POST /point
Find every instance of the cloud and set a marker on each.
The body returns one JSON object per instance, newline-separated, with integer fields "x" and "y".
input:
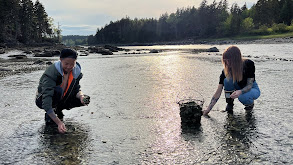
{"x": 79, "y": 29}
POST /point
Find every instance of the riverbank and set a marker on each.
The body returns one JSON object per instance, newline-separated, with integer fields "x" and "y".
{"x": 232, "y": 41}
{"x": 23, "y": 60}
{"x": 248, "y": 40}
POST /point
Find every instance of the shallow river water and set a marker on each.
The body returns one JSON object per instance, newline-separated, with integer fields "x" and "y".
{"x": 133, "y": 117}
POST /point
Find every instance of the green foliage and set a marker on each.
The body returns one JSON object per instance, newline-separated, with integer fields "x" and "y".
{"x": 247, "y": 24}
{"x": 289, "y": 28}
{"x": 279, "y": 28}
{"x": 262, "y": 30}
{"x": 224, "y": 27}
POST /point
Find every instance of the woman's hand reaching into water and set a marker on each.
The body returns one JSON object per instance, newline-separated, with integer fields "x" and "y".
{"x": 205, "y": 112}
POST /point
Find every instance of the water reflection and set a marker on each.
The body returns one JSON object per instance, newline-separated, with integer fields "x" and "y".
{"x": 238, "y": 140}
{"x": 189, "y": 132}
{"x": 65, "y": 148}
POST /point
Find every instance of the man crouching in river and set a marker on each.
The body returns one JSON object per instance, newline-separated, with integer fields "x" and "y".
{"x": 59, "y": 88}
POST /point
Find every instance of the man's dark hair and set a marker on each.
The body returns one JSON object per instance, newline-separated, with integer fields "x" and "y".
{"x": 68, "y": 53}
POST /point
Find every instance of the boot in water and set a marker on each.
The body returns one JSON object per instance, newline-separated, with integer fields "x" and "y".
{"x": 249, "y": 107}
{"x": 230, "y": 104}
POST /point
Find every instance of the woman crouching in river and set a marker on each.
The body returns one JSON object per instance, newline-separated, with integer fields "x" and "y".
{"x": 238, "y": 80}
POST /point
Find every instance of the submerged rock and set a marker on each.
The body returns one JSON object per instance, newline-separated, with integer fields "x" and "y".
{"x": 18, "y": 56}
{"x": 154, "y": 51}
{"x": 5, "y": 69}
{"x": 2, "y": 50}
{"x": 100, "y": 50}
{"x": 56, "y": 52}
{"x": 113, "y": 48}
{"x": 213, "y": 49}
{"x": 49, "y": 63}
{"x": 44, "y": 54}
{"x": 28, "y": 52}
{"x": 40, "y": 62}
{"x": 84, "y": 53}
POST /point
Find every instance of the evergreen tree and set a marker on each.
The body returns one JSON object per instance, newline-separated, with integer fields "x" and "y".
{"x": 265, "y": 11}
{"x": 91, "y": 40}
{"x": 27, "y": 20}
{"x": 41, "y": 22}
{"x": 203, "y": 18}
{"x": 236, "y": 19}
{"x": 9, "y": 20}
{"x": 162, "y": 27}
{"x": 286, "y": 12}
{"x": 275, "y": 11}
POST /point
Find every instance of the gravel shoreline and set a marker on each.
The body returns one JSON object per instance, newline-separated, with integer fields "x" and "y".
{"x": 232, "y": 42}
{"x": 258, "y": 41}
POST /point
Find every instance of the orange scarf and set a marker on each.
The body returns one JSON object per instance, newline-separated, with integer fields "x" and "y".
{"x": 69, "y": 81}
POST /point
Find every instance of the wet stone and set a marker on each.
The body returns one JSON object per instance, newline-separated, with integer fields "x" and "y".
{"x": 86, "y": 99}
{"x": 18, "y": 56}
{"x": 40, "y": 62}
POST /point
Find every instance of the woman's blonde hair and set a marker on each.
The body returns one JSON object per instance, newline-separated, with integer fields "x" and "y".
{"x": 234, "y": 69}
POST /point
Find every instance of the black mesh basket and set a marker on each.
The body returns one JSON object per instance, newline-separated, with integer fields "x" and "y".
{"x": 190, "y": 104}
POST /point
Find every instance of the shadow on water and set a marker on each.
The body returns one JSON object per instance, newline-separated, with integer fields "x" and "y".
{"x": 65, "y": 148}
{"x": 237, "y": 144}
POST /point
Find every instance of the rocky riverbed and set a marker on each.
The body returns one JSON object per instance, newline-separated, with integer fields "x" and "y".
{"x": 134, "y": 118}
{"x": 15, "y": 66}
{"x": 28, "y": 59}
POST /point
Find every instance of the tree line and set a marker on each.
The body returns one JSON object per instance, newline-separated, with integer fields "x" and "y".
{"x": 72, "y": 40}
{"x": 208, "y": 21}
{"x": 22, "y": 21}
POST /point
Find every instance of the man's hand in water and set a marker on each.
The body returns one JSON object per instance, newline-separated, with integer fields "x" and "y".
{"x": 61, "y": 127}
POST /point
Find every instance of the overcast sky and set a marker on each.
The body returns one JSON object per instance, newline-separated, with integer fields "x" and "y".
{"x": 83, "y": 17}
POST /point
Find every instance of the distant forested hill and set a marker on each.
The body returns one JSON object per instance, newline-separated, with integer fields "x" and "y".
{"x": 72, "y": 40}
{"x": 208, "y": 21}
